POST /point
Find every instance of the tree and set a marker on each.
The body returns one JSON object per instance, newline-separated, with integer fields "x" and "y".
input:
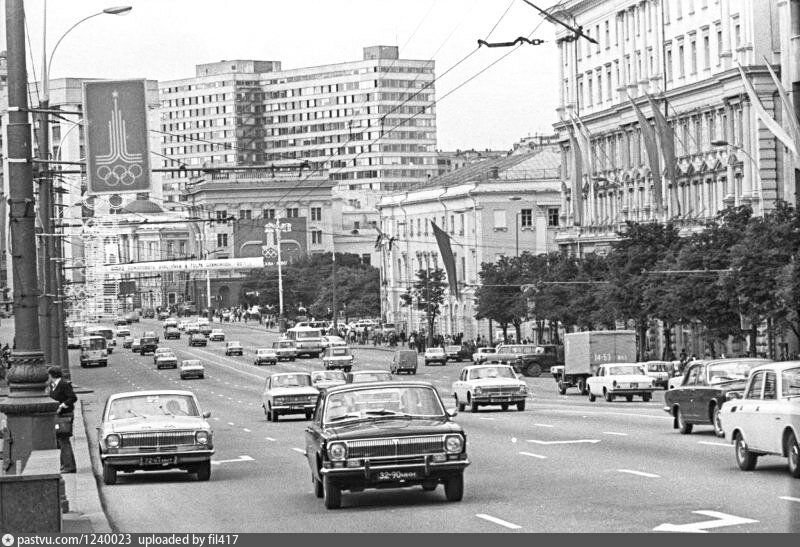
{"x": 427, "y": 294}
{"x": 499, "y": 297}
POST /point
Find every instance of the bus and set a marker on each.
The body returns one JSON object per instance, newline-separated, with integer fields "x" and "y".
{"x": 307, "y": 340}
{"x": 75, "y": 332}
{"x": 94, "y": 351}
{"x": 105, "y": 332}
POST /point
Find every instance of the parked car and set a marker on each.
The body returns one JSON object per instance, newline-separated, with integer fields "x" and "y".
{"x": 148, "y": 344}
{"x": 404, "y": 360}
{"x": 134, "y": 423}
{"x": 435, "y": 355}
{"x": 132, "y": 317}
{"x": 165, "y": 358}
{"x": 265, "y": 356}
{"x": 324, "y": 379}
{"x": 353, "y": 429}
{"x": 192, "y": 368}
{"x": 612, "y": 380}
{"x": 659, "y": 371}
{"x": 172, "y": 333}
{"x": 120, "y": 321}
{"x": 338, "y": 357}
{"x": 136, "y": 345}
{"x": 453, "y": 352}
{"x": 365, "y": 376}
{"x": 289, "y": 393}
{"x": 766, "y": 420}
{"x": 128, "y": 342}
{"x": 217, "y": 336}
{"x": 705, "y": 386}
{"x": 330, "y": 341}
{"x": 234, "y": 348}
{"x": 285, "y": 349}
{"x": 482, "y": 354}
{"x": 171, "y": 322}
{"x": 489, "y": 384}
{"x": 197, "y": 339}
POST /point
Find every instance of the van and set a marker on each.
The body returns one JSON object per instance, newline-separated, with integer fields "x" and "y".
{"x": 105, "y": 332}
{"x": 404, "y": 360}
{"x": 94, "y": 351}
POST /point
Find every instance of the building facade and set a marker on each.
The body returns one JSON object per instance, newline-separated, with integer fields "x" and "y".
{"x": 497, "y": 207}
{"x": 684, "y": 54}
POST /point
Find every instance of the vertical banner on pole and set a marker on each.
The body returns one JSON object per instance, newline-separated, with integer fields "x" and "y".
{"x": 117, "y": 144}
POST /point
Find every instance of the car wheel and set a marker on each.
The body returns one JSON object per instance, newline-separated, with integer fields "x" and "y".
{"x": 331, "y": 493}
{"x": 459, "y": 405}
{"x": 683, "y": 426}
{"x": 744, "y": 458}
{"x": 629, "y": 398}
{"x": 646, "y": 397}
{"x": 608, "y": 396}
{"x": 793, "y": 455}
{"x": 454, "y": 488}
{"x": 521, "y": 406}
{"x": 347, "y": 370}
{"x": 414, "y": 372}
{"x": 582, "y": 386}
{"x": 309, "y": 414}
{"x": 592, "y": 396}
{"x": 203, "y": 470}
{"x": 273, "y": 415}
{"x": 109, "y": 474}
{"x": 318, "y": 490}
{"x": 473, "y": 405}
{"x": 717, "y": 422}
{"x": 562, "y": 389}
{"x": 503, "y": 407}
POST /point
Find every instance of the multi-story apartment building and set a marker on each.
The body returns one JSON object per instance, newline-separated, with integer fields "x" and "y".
{"x": 684, "y": 53}
{"x": 369, "y": 124}
{"x": 497, "y": 207}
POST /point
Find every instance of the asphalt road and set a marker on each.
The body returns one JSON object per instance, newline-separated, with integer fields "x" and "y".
{"x": 562, "y": 465}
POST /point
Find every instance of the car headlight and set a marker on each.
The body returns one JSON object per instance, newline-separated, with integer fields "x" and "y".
{"x": 522, "y": 388}
{"x": 112, "y": 441}
{"x": 278, "y": 400}
{"x": 614, "y": 383}
{"x": 337, "y": 451}
{"x": 201, "y": 437}
{"x": 733, "y": 395}
{"x": 478, "y": 390}
{"x": 453, "y": 444}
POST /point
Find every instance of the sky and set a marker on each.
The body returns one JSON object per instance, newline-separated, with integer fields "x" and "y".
{"x": 165, "y": 39}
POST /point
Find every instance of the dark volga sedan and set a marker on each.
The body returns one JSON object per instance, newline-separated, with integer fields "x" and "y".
{"x": 384, "y": 435}
{"x": 705, "y": 387}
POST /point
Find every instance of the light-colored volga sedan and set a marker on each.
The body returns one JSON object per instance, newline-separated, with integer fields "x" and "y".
{"x": 620, "y": 379}
{"x": 192, "y": 368}
{"x": 481, "y": 385}
{"x": 323, "y": 379}
{"x": 766, "y": 421}
{"x": 289, "y": 393}
{"x": 152, "y": 431}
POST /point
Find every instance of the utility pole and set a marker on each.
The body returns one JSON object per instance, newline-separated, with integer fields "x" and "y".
{"x": 277, "y": 228}
{"x": 30, "y": 413}
{"x": 333, "y": 290}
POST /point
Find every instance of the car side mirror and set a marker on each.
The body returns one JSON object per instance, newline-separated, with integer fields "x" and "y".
{"x": 207, "y": 414}
{"x": 452, "y": 412}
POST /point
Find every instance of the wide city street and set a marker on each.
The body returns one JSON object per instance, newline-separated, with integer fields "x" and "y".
{"x": 562, "y": 465}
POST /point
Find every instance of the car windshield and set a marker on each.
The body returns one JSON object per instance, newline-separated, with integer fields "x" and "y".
{"x": 382, "y": 402}
{"x": 286, "y": 344}
{"x": 291, "y": 380}
{"x": 492, "y": 372}
{"x": 159, "y": 351}
{"x": 340, "y": 351}
{"x": 190, "y": 363}
{"x": 624, "y": 369}
{"x": 658, "y": 367}
{"x": 487, "y": 350}
{"x": 435, "y": 350}
{"x": 363, "y": 377}
{"x": 146, "y": 406}
{"x": 264, "y": 351}
{"x": 517, "y": 349}
{"x": 791, "y": 382}
{"x": 727, "y": 372}
{"x": 91, "y": 344}
{"x": 234, "y": 345}
{"x": 304, "y": 334}
{"x": 323, "y": 375}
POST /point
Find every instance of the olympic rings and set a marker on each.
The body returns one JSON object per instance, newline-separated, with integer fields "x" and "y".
{"x": 119, "y": 174}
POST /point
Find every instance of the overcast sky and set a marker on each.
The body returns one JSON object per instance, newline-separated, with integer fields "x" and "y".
{"x": 164, "y": 39}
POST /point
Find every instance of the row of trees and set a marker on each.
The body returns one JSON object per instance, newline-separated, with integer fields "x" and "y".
{"x": 308, "y": 283}
{"x": 737, "y": 272}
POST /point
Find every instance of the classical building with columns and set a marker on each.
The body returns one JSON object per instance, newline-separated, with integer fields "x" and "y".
{"x": 683, "y": 54}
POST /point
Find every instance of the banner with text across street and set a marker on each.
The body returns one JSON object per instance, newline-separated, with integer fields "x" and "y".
{"x": 117, "y": 150}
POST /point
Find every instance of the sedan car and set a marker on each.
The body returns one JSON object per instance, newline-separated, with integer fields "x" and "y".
{"x": 324, "y": 379}
{"x": 136, "y": 345}
{"x": 265, "y": 356}
{"x": 192, "y": 368}
{"x": 151, "y": 334}
{"x": 364, "y": 376}
{"x": 289, "y": 393}
{"x": 404, "y": 360}
{"x": 285, "y": 349}
{"x": 355, "y": 427}
{"x": 435, "y": 355}
{"x": 206, "y": 330}
{"x": 234, "y": 348}
{"x": 192, "y": 328}
{"x": 165, "y": 358}
{"x": 122, "y": 332}
{"x": 489, "y": 384}
{"x": 147, "y": 344}
{"x": 197, "y": 339}
{"x": 330, "y": 341}
{"x": 453, "y": 352}
{"x": 766, "y": 420}
{"x": 120, "y": 321}
{"x": 127, "y": 342}
{"x": 659, "y": 371}
{"x": 705, "y": 386}
{"x": 338, "y": 357}
{"x": 482, "y": 354}
{"x": 217, "y": 336}
{"x": 613, "y": 380}
{"x": 152, "y": 431}
{"x": 132, "y": 318}
{"x": 172, "y": 333}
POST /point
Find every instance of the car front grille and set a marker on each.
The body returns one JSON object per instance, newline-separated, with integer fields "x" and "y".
{"x": 294, "y": 399}
{"x": 158, "y": 439}
{"x": 402, "y": 446}
{"x": 504, "y": 391}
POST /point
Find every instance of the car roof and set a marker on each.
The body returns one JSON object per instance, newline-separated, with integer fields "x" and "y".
{"x": 470, "y": 367}
{"x": 372, "y": 371}
{"x": 753, "y": 360}
{"x": 778, "y": 366}
{"x": 150, "y": 392}
{"x": 289, "y": 374}
{"x": 373, "y": 385}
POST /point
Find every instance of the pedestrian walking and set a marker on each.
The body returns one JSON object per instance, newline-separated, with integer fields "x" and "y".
{"x": 61, "y": 391}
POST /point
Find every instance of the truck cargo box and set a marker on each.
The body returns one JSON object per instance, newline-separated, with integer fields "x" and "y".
{"x": 584, "y": 351}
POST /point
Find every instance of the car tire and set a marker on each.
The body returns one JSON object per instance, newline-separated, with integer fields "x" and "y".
{"x": 454, "y": 488}
{"x": 592, "y": 396}
{"x": 347, "y": 370}
{"x": 459, "y": 405}
{"x": 521, "y": 406}
{"x": 683, "y": 426}
{"x": 331, "y": 493}
{"x": 309, "y": 414}
{"x": 745, "y": 459}
{"x": 504, "y": 407}
{"x": 562, "y": 389}
{"x": 793, "y": 455}
{"x": 203, "y": 471}
{"x": 414, "y": 372}
{"x": 716, "y": 422}
{"x": 474, "y": 407}
{"x": 533, "y": 370}
{"x": 318, "y": 490}
{"x": 629, "y": 398}
{"x": 608, "y": 396}
{"x": 646, "y": 397}
{"x": 109, "y": 474}
{"x": 273, "y": 415}
{"x": 583, "y": 386}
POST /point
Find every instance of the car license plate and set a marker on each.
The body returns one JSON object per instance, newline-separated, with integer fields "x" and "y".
{"x": 634, "y": 386}
{"x": 396, "y": 475}
{"x": 158, "y": 460}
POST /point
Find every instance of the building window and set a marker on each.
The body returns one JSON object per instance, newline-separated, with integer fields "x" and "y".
{"x": 356, "y": 225}
{"x": 552, "y": 216}
{"x": 316, "y": 237}
{"x": 222, "y": 240}
{"x": 526, "y": 218}
{"x": 706, "y": 50}
{"x": 245, "y": 214}
{"x": 608, "y": 35}
{"x": 668, "y": 62}
{"x": 500, "y": 219}
{"x": 268, "y": 214}
{"x": 719, "y": 45}
{"x": 366, "y": 259}
{"x": 681, "y": 62}
{"x": 316, "y": 213}
{"x": 292, "y": 212}
{"x": 693, "y": 53}
{"x": 222, "y": 216}
{"x": 461, "y": 224}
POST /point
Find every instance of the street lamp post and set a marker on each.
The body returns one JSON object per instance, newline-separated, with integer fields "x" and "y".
{"x": 277, "y": 228}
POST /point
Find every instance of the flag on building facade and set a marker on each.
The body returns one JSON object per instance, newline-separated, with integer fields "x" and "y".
{"x": 577, "y": 181}
{"x": 665, "y": 138}
{"x": 443, "y": 241}
{"x": 651, "y": 147}
{"x": 788, "y": 110}
{"x": 773, "y": 126}
{"x": 584, "y": 146}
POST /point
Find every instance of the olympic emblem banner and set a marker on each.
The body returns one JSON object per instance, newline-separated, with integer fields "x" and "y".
{"x": 117, "y": 142}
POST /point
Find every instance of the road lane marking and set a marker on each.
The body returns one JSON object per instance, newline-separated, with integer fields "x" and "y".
{"x": 501, "y": 522}
{"x": 230, "y": 423}
{"x": 215, "y": 418}
{"x": 543, "y": 425}
{"x": 247, "y": 430}
{"x": 722, "y": 519}
{"x": 713, "y": 444}
{"x": 639, "y": 473}
{"x": 300, "y": 450}
{"x": 533, "y": 455}
{"x": 270, "y": 439}
{"x": 243, "y": 458}
{"x": 615, "y": 433}
{"x": 789, "y": 498}
{"x": 565, "y": 442}
{"x": 485, "y": 418}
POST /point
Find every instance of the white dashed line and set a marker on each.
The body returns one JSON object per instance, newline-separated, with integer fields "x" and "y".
{"x": 300, "y": 450}
{"x": 713, "y": 444}
{"x": 789, "y": 498}
{"x": 270, "y": 439}
{"x": 543, "y": 425}
{"x": 230, "y": 423}
{"x": 247, "y": 430}
{"x": 534, "y": 455}
{"x": 215, "y": 418}
{"x": 485, "y": 418}
{"x": 639, "y": 473}
{"x": 615, "y": 433}
{"x": 501, "y": 522}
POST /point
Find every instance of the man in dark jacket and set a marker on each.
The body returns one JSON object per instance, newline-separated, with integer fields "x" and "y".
{"x": 61, "y": 391}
